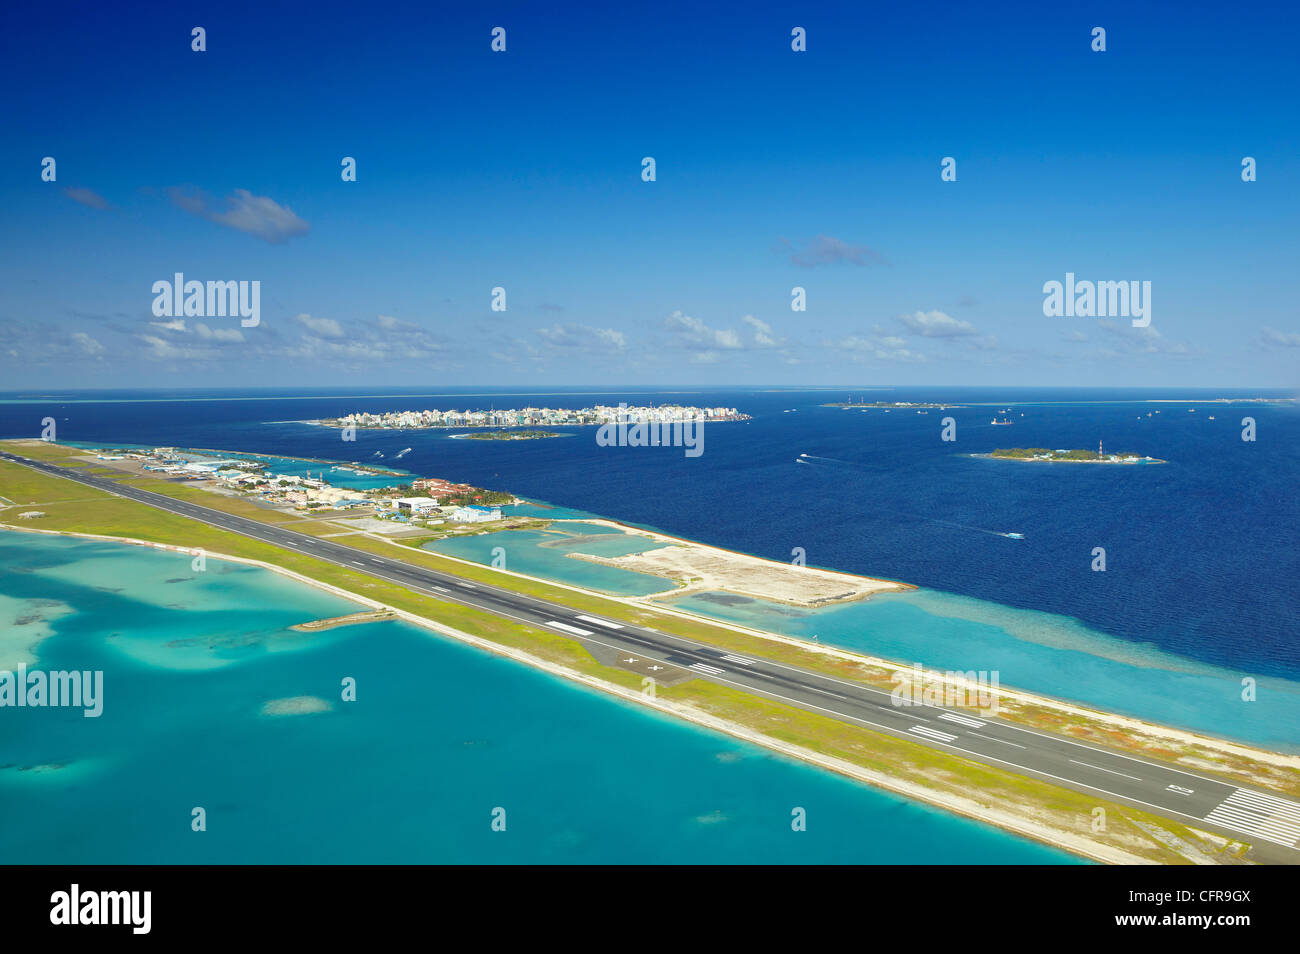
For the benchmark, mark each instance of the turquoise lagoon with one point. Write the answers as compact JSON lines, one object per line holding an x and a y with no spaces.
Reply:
{"x":1035,"y":651}
{"x":440,"y":734}
{"x":1032,"y":650}
{"x":544,"y":554}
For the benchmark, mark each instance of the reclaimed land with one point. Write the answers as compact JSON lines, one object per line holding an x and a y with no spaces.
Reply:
{"x":1045,"y":812}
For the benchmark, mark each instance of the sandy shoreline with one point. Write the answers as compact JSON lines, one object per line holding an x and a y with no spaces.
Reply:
{"x":334,"y":622}
{"x":1008,"y":697}
{"x":699,"y":567}
{"x":966,"y":807}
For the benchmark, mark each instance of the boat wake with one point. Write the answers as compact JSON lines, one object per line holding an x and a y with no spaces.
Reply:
{"x":810,"y":459}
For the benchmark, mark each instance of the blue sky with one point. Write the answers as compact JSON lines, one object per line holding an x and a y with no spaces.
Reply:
{"x":775,"y":169}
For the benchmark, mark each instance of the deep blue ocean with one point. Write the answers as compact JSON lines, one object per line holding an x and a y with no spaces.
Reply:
{"x":1200,"y":588}
{"x":1201,"y":551}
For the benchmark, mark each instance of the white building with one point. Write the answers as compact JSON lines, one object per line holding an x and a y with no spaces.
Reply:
{"x":416,"y":505}
{"x":472,"y":514}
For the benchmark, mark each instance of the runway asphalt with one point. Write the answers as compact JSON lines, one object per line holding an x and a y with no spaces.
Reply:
{"x":1271,"y":823}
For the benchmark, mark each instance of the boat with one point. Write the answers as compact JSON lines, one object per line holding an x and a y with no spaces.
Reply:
{"x":1003,"y":423}
{"x":1014,"y":536}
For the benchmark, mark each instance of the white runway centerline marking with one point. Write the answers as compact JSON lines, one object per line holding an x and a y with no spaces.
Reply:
{"x":1100,"y":769}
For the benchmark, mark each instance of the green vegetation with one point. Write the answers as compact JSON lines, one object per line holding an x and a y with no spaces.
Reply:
{"x":1283,"y":780}
{"x":479,"y":497}
{"x":73,"y":507}
{"x":475,"y":495}
{"x":1028,"y":453}
{"x":509,"y":435}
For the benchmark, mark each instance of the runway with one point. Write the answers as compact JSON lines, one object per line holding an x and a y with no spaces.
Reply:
{"x":1270,"y":822}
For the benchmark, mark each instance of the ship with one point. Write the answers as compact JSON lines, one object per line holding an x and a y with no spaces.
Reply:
{"x":1005,"y":422}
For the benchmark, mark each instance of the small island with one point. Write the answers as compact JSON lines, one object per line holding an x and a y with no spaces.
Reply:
{"x":508,"y":435}
{"x":892,"y":405}
{"x":530,"y":417}
{"x":1098,"y":456}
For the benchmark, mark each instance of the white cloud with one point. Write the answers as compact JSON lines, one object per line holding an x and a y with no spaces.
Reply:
{"x":1124,"y":339}
{"x":160,"y":349}
{"x":256,"y":215}
{"x":583,"y":337}
{"x":219,"y":334}
{"x":935,"y":324}
{"x":324,"y":327}
{"x":87,"y":344}
{"x":1287,"y":339}
{"x":888,"y":348}
{"x":693,"y":331}
{"x":763,"y":336}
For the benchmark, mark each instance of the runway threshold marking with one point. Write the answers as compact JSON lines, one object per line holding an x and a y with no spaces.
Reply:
{"x":1263,"y":816}
{"x":852,"y":718}
{"x":961,"y":720}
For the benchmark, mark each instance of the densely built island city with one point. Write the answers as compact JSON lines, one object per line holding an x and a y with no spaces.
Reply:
{"x":534,"y":417}
{"x":969,"y":741}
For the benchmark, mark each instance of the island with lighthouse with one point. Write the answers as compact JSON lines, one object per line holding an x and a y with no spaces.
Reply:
{"x":1064,"y":456}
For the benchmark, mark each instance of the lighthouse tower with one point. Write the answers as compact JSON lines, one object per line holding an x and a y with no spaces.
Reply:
{"x":1100,"y":455}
